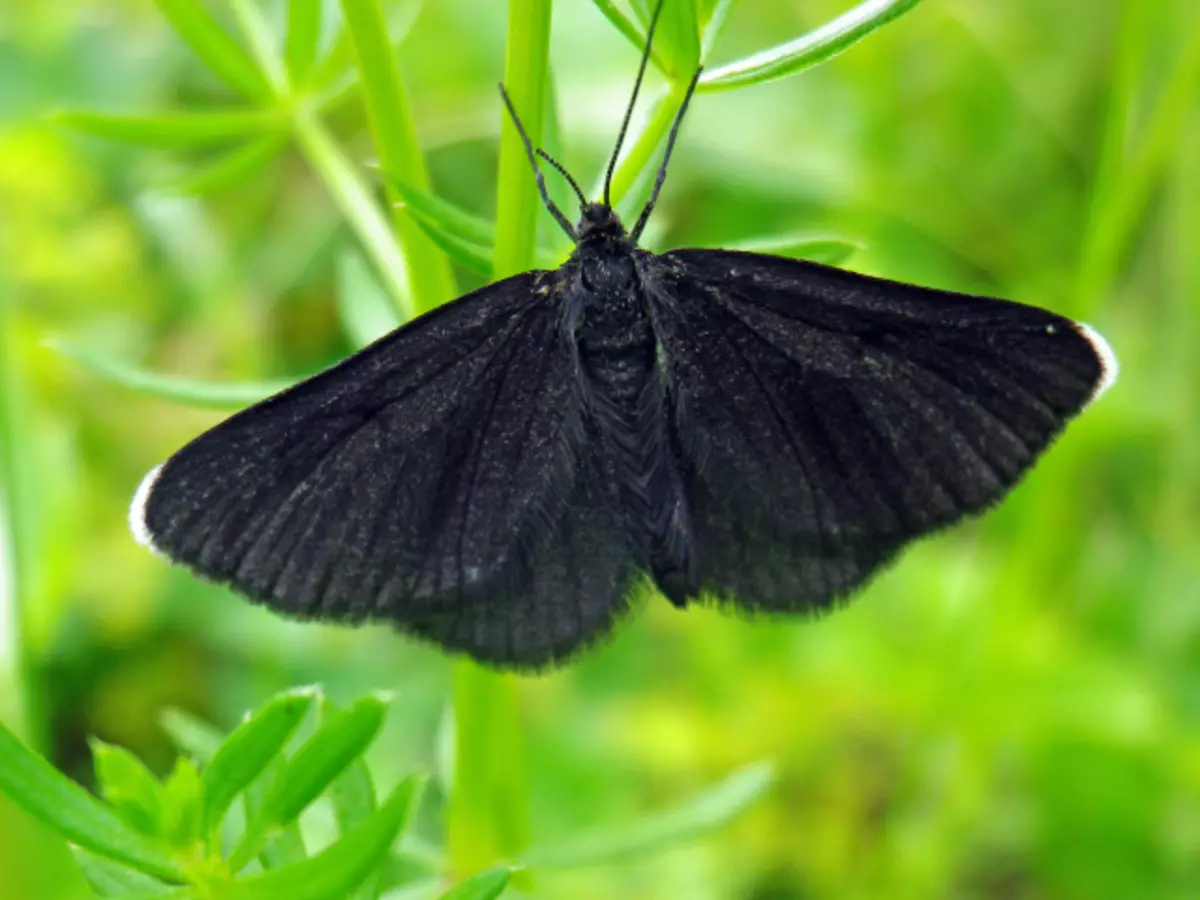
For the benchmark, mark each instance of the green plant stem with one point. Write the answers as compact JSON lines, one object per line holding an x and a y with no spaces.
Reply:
{"x":20,"y":707}
{"x":400,"y":154}
{"x":525,"y":77}
{"x":360,"y":210}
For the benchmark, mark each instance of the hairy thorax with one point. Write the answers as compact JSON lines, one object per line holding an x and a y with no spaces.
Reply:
{"x":627,"y":390}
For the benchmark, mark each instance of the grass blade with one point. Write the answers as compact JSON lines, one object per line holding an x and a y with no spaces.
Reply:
{"x":248,"y":750}
{"x":817,"y":46}
{"x":170,"y":130}
{"x":39,"y":789}
{"x":200,"y":394}
{"x":215,"y":47}
{"x":431,"y":281}
{"x":704,"y":813}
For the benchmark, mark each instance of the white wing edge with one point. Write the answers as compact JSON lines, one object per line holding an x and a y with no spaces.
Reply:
{"x":137,"y":511}
{"x":1109,"y":367}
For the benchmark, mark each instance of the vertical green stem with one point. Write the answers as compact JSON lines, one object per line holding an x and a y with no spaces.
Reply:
{"x":488,"y":817}
{"x":399,"y":151}
{"x":18,"y":699}
{"x":525,"y":77}
{"x":359,"y":208}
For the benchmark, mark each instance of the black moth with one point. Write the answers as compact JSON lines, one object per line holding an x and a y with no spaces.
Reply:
{"x":502,"y":475}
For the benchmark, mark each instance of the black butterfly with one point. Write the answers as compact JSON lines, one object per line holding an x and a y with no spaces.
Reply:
{"x":501,"y":475}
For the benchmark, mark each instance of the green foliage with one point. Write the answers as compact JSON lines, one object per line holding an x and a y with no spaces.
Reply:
{"x":1010,"y":711}
{"x":172,"y":838}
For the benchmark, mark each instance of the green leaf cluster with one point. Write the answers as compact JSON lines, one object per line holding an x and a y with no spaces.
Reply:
{"x":225,"y":822}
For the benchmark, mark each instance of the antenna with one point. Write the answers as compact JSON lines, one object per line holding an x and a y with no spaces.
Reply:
{"x":662,"y":169}
{"x":637,"y":86}
{"x":558,"y":167}
{"x":562,"y":220}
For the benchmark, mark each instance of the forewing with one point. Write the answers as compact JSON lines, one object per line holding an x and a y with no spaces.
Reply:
{"x":829,"y":418}
{"x":414,"y":482}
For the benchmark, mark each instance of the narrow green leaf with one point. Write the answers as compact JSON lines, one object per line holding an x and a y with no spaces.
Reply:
{"x":190,"y":734}
{"x":324,"y":756}
{"x":181,"y":808}
{"x":707,"y":812}
{"x":232,"y":168}
{"x":128,"y":786}
{"x":362,"y":304}
{"x":262,"y":44}
{"x":631,"y":181}
{"x":110,"y":879}
{"x":202,"y":394}
{"x":395,"y":133}
{"x":809,"y":49}
{"x":215,"y":46}
{"x":284,"y":848}
{"x":714,"y":27}
{"x":486,"y":885}
{"x":676,"y":37}
{"x":626,"y":27}
{"x":335,"y":872}
{"x":303,"y":38}
{"x":474,"y":257}
{"x":44,"y":793}
{"x":249,"y":749}
{"x":829,"y":251}
{"x":353,"y":798}
{"x":280,"y":847}
{"x":442,"y":214}
{"x":170,"y":129}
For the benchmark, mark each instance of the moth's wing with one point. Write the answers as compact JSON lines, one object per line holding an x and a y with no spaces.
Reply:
{"x":829,"y":418}
{"x":436,"y":479}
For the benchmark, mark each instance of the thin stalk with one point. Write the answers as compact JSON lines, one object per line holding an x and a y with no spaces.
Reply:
{"x":360,"y":210}
{"x":20,"y":707}
{"x":400,"y":154}
{"x":526,"y":76}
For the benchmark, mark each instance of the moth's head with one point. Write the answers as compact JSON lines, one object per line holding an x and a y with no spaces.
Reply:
{"x":598,"y":222}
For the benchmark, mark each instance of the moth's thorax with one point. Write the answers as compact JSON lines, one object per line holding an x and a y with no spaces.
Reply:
{"x":604,"y":254}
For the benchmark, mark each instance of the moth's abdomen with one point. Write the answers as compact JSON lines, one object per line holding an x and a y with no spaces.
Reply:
{"x":619,"y":352}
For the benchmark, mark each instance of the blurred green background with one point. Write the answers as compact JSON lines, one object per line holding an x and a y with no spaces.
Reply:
{"x":1012,"y":711}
